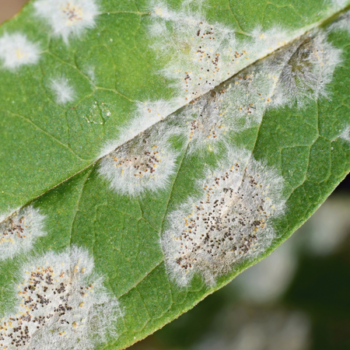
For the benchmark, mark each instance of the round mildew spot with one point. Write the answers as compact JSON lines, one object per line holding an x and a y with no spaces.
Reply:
{"x":67,"y":17}
{"x":229,"y":223}
{"x":61,"y":304}
{"x":16,"y":50}
{"x":62,"y":90}
{"x":144,"y":164}
{"x":19,"y":231}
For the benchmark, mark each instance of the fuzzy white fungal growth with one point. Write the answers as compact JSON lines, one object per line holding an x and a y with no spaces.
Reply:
{"x":340,"y":4}
{"x":61,"y":305}
{"x":307,"y":71}
{"x":147,"y":114}
{"x":63,"y":91}
{"x":143,"y":164}
{"x":68,"y":17}
{"x":90,"y":71}
{"x":299,"y":73}
{"x":16,"y":50}
{"x":345,"y":134}
{"x":19,"y":231}
{"x":229,"y":222}
{"x":236,"y":105}
{"x":202,"y":55}
{"x":342,"y":23}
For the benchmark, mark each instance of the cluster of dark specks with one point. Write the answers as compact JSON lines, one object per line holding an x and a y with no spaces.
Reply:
{"x":140,"y":165}
{"x":73,"y":13}
{"x":45,"y":297}
{"x":209,"y":61}
{"x":143,"y":164}
{"x":19,"y":230}
{"x":12,"y":229}
{"x":222,"y":224}
{"x":229,"y":223}
{"x":210,"y":122}
{"x":211,"y":133}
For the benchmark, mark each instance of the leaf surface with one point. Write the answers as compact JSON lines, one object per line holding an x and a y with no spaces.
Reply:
{"x":112,"y":135}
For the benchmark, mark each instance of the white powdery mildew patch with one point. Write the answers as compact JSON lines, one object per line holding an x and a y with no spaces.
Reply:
{"x":342,"y":23}
{"x":345,"y":134}
{"x":308,"y":69}
{"x":63,"y":91}
{"x":68,"y":17}
{"x":61,"y":305}
{"x":200,"y":54}
{"x":229,"y":222}
{"x":340,"y":4}
{"x":147,"y":114}
{"x":143,"y":164}
{"x":90,"y":71}
{"x":16,"y":50}
{"x":19,"y":231}
{"x":237,"y":105}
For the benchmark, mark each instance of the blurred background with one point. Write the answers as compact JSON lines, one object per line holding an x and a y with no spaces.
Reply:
{"x":296,"y":299}
{"x":9,"y":8}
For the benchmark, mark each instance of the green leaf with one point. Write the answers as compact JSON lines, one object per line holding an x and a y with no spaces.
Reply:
{"x":154,"y":151}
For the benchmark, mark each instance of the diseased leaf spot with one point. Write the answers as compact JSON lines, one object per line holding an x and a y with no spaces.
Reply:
{"x":62,"y":90}
{"x":67,"y":17}
{"x":16,"y":50}
{"x":73,"y":13}
{"x":342,"y":23}
{"x":19,"y":231}
{"x":61,"y":304}
{"x":230,"y":108}
{"x":230,"y":221}
{"x":144,"y":164}
{"x":147,"y":114}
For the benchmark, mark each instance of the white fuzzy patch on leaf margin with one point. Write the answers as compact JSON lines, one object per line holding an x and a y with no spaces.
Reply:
{"x":19,"y":231}
{"x":61,"y":305}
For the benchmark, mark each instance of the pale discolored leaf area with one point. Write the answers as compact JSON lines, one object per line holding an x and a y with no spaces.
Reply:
{"x":153,"y":150}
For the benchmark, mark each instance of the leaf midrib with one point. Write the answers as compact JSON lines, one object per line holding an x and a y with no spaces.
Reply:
{"x":323,"y":22}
